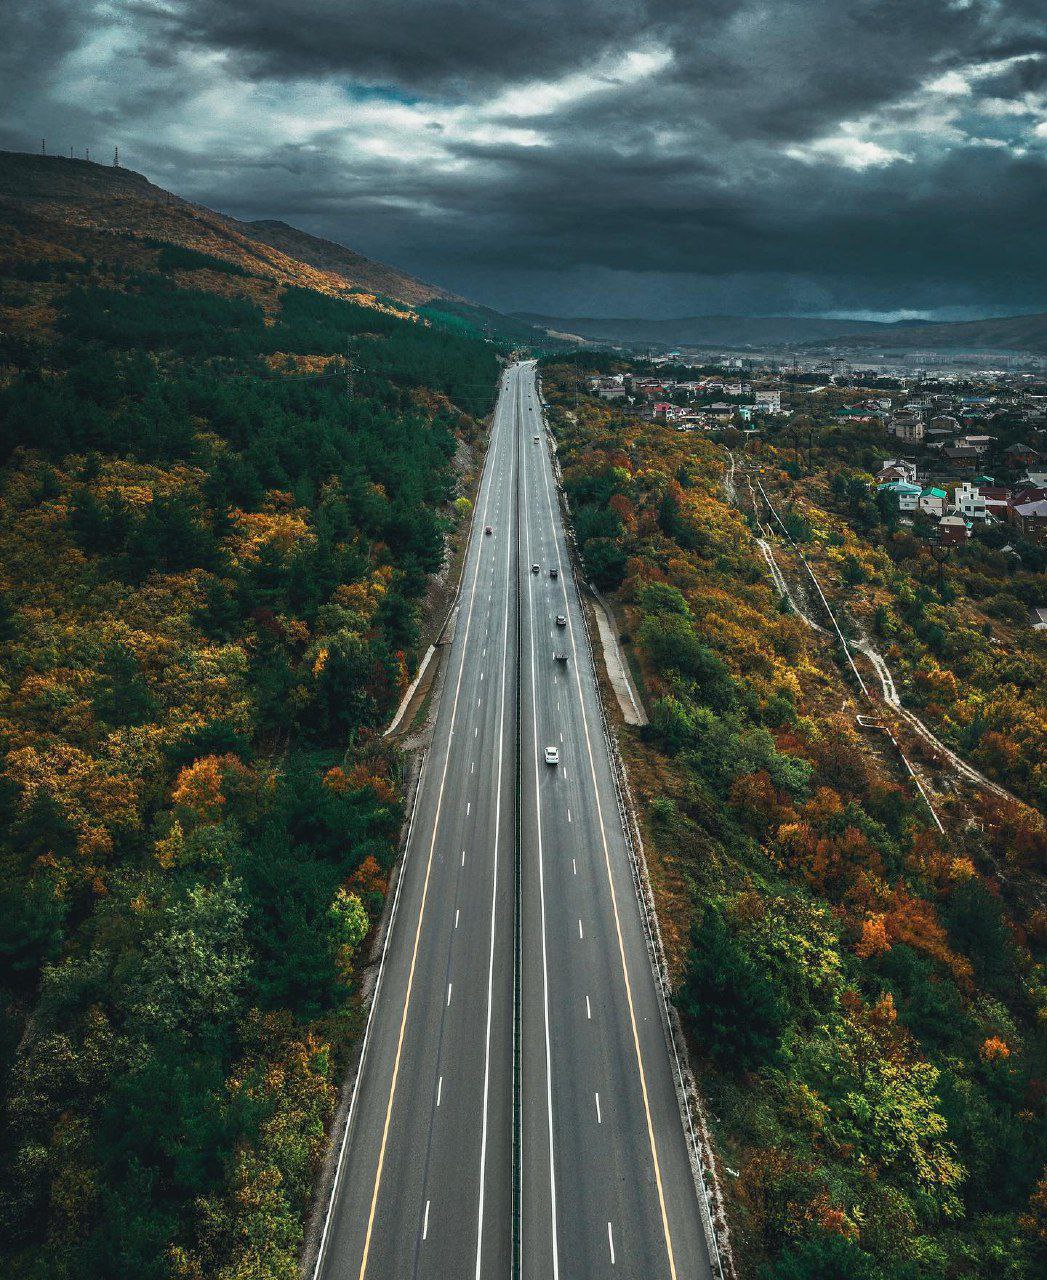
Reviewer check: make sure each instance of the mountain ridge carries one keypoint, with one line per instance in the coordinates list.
(42, 194)
(1006, 333)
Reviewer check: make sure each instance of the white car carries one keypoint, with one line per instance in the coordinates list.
(552, 755)
(536, 439)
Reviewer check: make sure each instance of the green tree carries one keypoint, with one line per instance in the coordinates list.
(731, 1007)
(121, 694)
(824, 1257)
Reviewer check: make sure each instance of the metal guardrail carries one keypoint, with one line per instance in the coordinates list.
(648, 913)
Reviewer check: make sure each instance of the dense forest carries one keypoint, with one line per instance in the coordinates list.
(211, 563)
(864, 996)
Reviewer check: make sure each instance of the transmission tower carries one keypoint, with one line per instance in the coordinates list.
(116, 157)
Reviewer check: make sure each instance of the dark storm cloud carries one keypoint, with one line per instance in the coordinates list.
(806, 153)
(38, 34)
(453, 45)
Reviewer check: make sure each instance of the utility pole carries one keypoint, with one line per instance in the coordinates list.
(350, 372)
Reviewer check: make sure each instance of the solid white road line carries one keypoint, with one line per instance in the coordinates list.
(618, 925)
(425, 1223)
(610, 1241)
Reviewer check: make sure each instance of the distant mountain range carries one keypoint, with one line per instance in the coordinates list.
(51, 207)
(1011, 333)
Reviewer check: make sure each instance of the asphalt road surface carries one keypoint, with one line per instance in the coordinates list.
(425, 1184)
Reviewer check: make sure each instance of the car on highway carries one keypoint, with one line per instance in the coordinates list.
(561, 621)
(534, 568)
(536, 439)
(552, 755)
(554, 572)
(487, 530)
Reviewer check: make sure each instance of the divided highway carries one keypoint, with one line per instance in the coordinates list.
(425, 1177)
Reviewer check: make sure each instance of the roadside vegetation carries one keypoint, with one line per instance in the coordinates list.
(211, 562)
(865, 997)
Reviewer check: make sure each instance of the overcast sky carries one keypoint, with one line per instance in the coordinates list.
(601, 157)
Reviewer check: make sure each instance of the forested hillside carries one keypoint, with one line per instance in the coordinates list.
(865, 996)
(211, 560)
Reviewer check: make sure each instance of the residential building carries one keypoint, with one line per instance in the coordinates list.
(1021, 455)
(980, 444)
(961, 453)
(997, 501)
(768, 401)
(1030, 519)
(952, 531)
(968, 501)
(907, 427)
(896, 469)
(908, 495)
(932, 502)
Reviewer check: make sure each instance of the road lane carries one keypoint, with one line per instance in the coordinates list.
(622, 1179)
(424, 1185)
(424, 1189)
